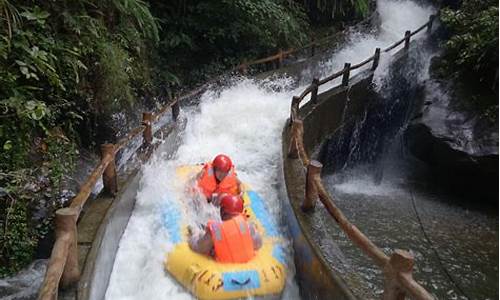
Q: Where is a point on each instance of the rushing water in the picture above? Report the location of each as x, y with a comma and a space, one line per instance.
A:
245, 121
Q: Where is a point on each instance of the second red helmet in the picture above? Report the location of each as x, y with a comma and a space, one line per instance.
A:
231, 204
222, 162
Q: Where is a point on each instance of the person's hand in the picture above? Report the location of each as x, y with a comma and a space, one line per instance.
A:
214, 198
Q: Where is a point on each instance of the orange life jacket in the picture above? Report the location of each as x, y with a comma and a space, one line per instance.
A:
232, 240
208, 183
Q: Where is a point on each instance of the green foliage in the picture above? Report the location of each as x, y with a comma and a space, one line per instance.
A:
139, 12
59, 64
16, 236
26, 190
324, 11
471, 54
473, 45
10, 15
113, 86
224, 32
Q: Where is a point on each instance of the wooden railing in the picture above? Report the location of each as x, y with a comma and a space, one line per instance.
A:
63, 269
310, 49
397, 269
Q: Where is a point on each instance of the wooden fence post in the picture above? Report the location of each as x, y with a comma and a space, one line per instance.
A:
407, 39
313, 46
280, 58
314, 92
147, 134
109, 175
311, 195
347, 72
293, 151
294, 109
63, 263
66, 219
400, 262
376, 59
431, 20
244, 68
175, 110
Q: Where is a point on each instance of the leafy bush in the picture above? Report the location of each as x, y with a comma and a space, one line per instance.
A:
113, 79
224, 32
473, 45
59, 65
326, 11
471, 54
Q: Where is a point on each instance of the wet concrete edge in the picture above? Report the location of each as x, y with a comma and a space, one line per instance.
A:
100, 259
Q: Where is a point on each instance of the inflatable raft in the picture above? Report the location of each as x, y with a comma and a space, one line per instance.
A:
205, 278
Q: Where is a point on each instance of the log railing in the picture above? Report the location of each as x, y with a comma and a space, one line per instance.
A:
63, 269
397, 269
278, 58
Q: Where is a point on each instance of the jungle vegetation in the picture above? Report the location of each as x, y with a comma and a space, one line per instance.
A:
65, 66
471, 52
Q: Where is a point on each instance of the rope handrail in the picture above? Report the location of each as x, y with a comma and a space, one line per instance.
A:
397, 268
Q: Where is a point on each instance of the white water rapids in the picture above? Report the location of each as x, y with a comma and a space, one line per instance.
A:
244, 121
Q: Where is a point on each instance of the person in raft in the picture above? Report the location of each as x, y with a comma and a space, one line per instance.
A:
234, 239
218, 178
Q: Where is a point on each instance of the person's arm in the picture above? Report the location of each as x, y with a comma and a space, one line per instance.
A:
202, 244
240, 187
257, 239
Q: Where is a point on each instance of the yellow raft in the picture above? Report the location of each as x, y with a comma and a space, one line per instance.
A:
263, 276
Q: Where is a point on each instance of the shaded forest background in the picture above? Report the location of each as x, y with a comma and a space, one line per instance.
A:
66, 67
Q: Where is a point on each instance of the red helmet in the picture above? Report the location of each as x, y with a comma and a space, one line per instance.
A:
231, 205
222, 163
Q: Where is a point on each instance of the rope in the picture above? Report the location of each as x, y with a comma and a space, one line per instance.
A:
431, 245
